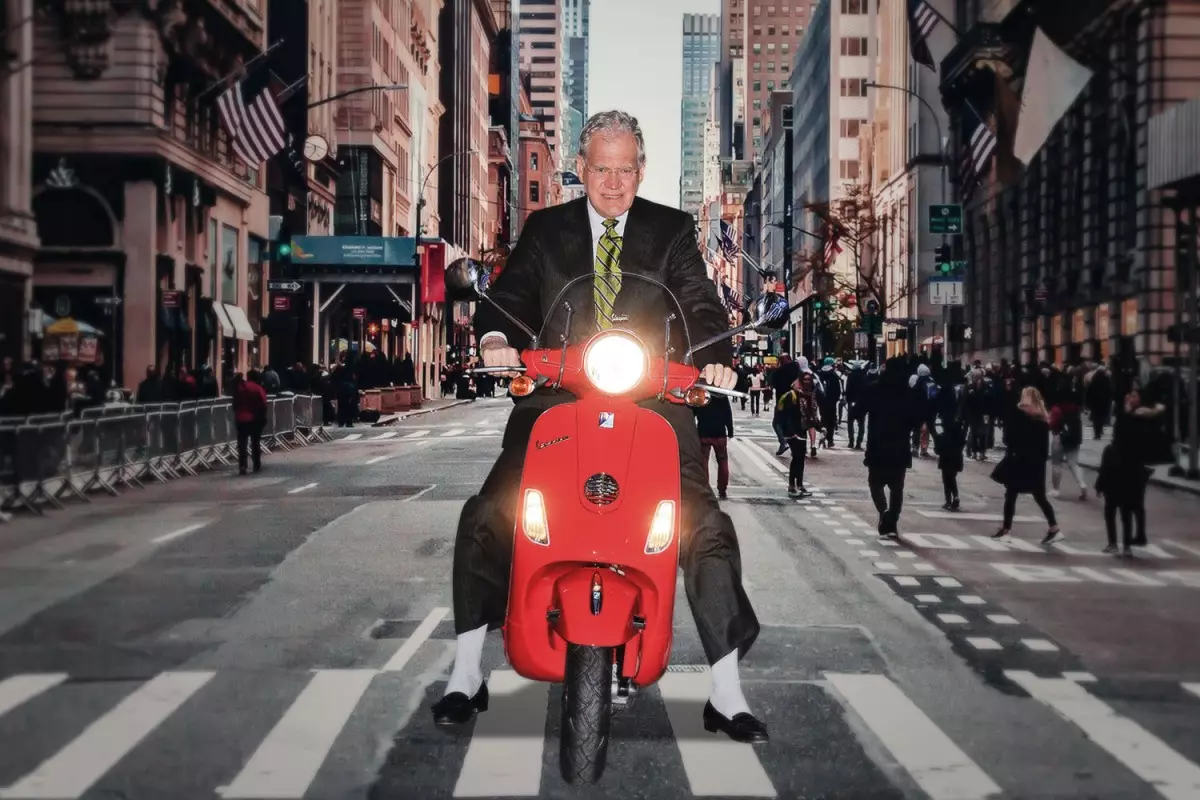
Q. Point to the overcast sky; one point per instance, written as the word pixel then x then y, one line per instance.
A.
pixel 636 55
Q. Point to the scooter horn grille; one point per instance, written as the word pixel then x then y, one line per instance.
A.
pixel 601 489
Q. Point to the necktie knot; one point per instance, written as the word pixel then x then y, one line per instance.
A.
pixel 610 226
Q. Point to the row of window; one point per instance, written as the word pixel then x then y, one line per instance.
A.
pixel 854 87
pixel 785 10
pixel 855 7
pixel 783 84
pixel 854 46
pixel 785 47
pixel 785 30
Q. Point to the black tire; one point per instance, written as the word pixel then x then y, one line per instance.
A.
pixel 586 712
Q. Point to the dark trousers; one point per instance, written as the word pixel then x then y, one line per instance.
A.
pixel 950 484
pixel 852 418
pixel 796 470
pixel 709 553
pixel 755 400
pixel 1039 497
pixel 721 447
pixel 1111 507
pixel 252 432
pixel 888 505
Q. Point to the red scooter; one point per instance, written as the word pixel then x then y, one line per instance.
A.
pixel 594 564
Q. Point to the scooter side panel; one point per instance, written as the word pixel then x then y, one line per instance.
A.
pixel 570 443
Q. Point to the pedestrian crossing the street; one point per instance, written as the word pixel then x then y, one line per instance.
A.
pixel 282 735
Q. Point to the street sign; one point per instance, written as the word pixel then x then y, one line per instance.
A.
pixel 281 302
pixel 945 292
pixel 108 301
pixel 945 219
pixel 860 340
pixel 172 298
pixel 284 286
pixel 360 313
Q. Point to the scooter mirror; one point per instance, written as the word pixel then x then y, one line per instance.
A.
pixel 769 311
pixel 467 279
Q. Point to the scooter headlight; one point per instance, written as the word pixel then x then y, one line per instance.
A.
pixel 662 528
pixel 533 520
pixel 615 362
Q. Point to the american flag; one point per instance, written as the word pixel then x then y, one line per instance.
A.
pixel 922 19
pixel 257 129
pixel 729 245
pixel 980 147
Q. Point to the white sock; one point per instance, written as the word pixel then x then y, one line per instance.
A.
pixel 726 694
pixel 467 675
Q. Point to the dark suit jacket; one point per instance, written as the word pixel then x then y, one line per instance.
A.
pixel 556 246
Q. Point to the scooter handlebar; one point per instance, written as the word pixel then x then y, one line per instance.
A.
pixel 734 393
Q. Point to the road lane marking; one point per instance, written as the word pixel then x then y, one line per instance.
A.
pixel 303 488
pixel 974 516
pixel 938 766
pixel 1040 645
pixel 971 599
pixel 923 566
pixel 454 432
pixel 166 537
pixel 715 765
pixel 388 435
pixel 413 643
pixel 952 619
pixel 1003 619
pixel 1194 688
pixel 928 598
pixel 1171 775
pixel 868 553
pixel 749 455
pixel 885 565
pixel 949 583
pixel 1079 677
pixel 1180 546
pixel 907 580
pixel 354 437
pixel 72 770
pixel 377 459
pixel 983 643
pixel 22 688
pixel 410 498
pixel 286 762
pixel 415 434
pixel 504 758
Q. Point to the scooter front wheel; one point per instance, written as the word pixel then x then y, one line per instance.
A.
pixel 586 712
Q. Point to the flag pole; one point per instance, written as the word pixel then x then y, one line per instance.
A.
pixel 245 68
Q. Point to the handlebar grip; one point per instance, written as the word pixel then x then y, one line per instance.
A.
pixel 727 392
pixel 486 370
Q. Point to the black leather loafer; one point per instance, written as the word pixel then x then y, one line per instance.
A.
pixel 742 728
pixel 456 708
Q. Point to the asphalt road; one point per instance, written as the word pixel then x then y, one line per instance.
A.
pixel 283 635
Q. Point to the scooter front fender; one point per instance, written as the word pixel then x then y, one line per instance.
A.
pixel 595 607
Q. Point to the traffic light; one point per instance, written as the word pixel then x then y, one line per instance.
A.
pixel 943 259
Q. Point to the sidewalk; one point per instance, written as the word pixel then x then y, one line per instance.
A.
pixel 428 407
pixel 1092 449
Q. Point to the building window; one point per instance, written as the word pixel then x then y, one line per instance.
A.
pixel 770 47
pixel 758 86
pixel 758 30
pixel 535 192
pixel 848 170
pixel 757 10
pixel 756 47
pixel 854 45
pixel 851 128
pixel 770 86
pixel 770 66
pixel 757 66
pixel 770 30
pixel 854 6
pixel 786 47
pixel 758 105
pixel 533 162
pixel 854 87
pixel 787 30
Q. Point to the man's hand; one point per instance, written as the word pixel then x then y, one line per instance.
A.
pixel 497 353
pixel 720 376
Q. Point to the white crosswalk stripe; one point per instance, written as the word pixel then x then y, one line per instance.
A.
pixel 504 754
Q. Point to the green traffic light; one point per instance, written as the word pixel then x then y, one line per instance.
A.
pixel 285 250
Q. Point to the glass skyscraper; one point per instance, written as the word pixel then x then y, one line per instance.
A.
pixel 701 49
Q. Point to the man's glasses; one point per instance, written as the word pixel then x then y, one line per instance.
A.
pixel 624 173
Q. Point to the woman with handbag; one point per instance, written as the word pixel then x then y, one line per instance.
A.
pixel 1023 468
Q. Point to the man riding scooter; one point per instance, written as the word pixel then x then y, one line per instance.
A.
pixel 610 232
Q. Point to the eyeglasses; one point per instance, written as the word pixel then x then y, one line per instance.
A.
pixel 624 173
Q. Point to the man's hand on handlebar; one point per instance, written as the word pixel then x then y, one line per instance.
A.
pixel 719 375
pixel 497 353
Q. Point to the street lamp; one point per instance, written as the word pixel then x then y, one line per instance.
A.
pixel 944 144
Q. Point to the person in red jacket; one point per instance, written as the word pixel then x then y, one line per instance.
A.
pixel 250 414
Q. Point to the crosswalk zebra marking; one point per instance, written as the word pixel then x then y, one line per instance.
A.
pixel 388 435
pixel 286 762
pixel 354 437
pixel 937 764
pixel 499 762
pixel 453 432
pixel 72 770
pixel 715 765
pixel 1194 688
pixel 413 643
pixel 415 434
pixel 1171 775
pixel 22 688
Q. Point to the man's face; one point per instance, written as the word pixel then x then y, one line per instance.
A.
pixel 611 173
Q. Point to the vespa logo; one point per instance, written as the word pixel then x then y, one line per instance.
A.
pixel 607 419
pixel 544 445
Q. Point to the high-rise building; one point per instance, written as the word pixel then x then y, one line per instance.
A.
pixel 576 25
pixel 766 37
pixel 541 49
pixel 701 50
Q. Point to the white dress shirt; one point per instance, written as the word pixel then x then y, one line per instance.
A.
pixel 597 225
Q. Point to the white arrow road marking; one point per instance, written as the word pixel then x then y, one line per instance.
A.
pixel 167 537
pixel 303 488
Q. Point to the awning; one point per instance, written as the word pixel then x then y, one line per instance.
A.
pixel 238 326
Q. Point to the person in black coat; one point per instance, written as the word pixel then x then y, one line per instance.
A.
pixel 949 443
pixel 892 416
pixel 1023 468
pixel 714 423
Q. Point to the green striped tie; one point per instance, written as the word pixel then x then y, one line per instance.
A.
pixel 608 274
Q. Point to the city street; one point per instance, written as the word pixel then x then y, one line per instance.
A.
pixel 282 635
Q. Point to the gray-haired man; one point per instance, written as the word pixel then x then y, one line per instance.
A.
pixel 556 245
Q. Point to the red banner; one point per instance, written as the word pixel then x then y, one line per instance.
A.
pixel 433 273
